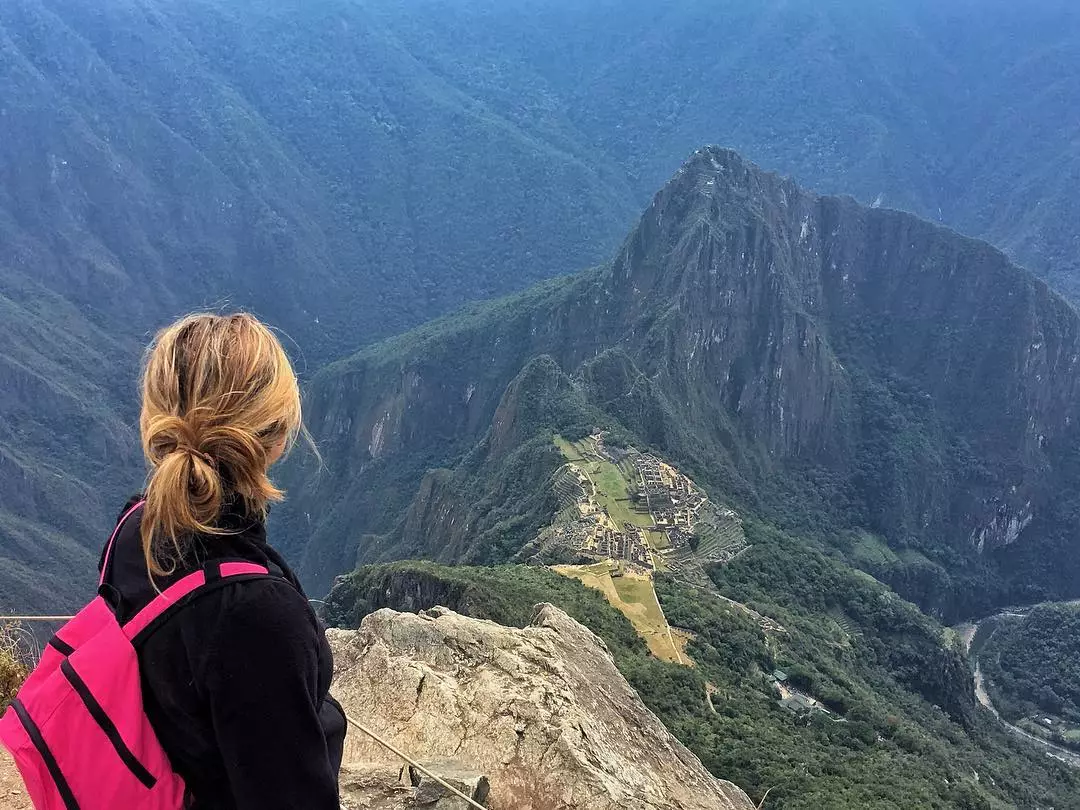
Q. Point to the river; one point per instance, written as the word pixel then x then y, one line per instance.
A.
pixel 974 638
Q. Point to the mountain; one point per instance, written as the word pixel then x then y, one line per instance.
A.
pixel 959 112
pixel 292 159
pixel 882 401
pixel 351 168
pixel 880 744
pixel 836 369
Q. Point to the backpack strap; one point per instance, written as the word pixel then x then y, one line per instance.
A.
pixel 112 540
pixel 185 590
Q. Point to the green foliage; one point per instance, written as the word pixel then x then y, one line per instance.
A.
pixel 1033 664
pixel 893 751
pixel 882 630
pixel 293 159
pixel 503 594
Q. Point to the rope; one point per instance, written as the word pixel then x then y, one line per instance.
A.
pixel 359 726
pixel 36 618
pixel 415 764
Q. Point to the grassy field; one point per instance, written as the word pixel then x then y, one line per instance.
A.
pixel 633 595
pixel 871 550
pixel 612 484
pixel 568 449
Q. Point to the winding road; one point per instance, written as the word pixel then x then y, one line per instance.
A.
pixel 968 633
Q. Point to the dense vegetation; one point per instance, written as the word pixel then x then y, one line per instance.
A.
pixel 1033 665
pixel 845 373
pixel 894 749
pixel 292 158
pixel 350 168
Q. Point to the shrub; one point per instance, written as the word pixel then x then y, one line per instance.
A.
pixel 16 649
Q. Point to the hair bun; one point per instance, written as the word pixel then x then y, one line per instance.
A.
pixel 167 434
pixel 218 396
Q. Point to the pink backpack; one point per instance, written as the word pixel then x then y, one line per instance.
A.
pixel 77 730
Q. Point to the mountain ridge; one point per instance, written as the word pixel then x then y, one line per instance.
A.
pixel 161 158
pixel 349 169
pixel 783 333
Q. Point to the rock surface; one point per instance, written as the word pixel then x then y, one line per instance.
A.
pixel 363 787
pixel 542 711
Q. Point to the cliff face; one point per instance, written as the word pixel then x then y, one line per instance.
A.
pixel 782 305
pixel 770 337
pixel 542 711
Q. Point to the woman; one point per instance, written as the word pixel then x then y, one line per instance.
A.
pixel 235 683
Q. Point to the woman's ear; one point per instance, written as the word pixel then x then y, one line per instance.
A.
pixel 277 450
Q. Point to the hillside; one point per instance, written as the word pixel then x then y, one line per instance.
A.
pixel 350 168
pixel 959 112
pixel 290 158
pixel 845 372
pixel 879 739
pixel 1031 664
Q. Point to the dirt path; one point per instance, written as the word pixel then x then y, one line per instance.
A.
pixel 967 634
pixel 671 639
pixel 12 795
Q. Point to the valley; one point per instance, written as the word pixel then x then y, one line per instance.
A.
pixel 1024 696
pixel 1039 740
pixel 763 438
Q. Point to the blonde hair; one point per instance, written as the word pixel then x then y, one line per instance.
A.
pixel 219 395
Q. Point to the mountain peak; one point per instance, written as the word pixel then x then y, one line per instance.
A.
pixel 763 329
pixel 718 172
pixel 715 200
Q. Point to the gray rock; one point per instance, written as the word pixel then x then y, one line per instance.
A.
pixel 542 711
pixel 430 792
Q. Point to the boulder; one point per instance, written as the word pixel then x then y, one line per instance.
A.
pixel 542 711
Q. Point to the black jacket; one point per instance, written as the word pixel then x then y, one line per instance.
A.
pixel 236 683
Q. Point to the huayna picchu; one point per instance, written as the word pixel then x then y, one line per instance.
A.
pixel 772 419
pixel 901 392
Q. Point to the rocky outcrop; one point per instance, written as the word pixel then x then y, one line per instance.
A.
pixel 542 711
pixel 520 719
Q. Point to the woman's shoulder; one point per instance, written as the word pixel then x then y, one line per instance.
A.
pixel 130 504
pixel 253 622
pixel 261 605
